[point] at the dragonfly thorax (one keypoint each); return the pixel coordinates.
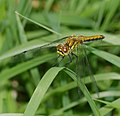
(68, 47)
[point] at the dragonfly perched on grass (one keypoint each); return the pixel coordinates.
(73, 41)
(67, 49)
(66, 46)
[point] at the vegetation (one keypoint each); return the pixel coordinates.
(30, 81)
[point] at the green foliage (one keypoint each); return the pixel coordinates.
(31, 85)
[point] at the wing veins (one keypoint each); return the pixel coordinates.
(89, 69)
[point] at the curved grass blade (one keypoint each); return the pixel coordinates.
(40, 91)
(71, 85)
(85, 92)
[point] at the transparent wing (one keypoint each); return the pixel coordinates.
(80, 67)
(83, 67)
(29, 51)
(32, 47)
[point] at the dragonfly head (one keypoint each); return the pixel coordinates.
(62, 49)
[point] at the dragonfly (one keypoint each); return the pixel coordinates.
(67, 49)
(73, 41)
(65, 46)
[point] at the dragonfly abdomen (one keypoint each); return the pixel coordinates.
(91, 38)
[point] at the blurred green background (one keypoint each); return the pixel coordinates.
(49, 20)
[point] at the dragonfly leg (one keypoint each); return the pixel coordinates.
(70, 60)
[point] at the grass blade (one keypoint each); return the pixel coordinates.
(71, 85)
(107, 56)
(85, 92)
(106, 109)
(84, 100)
(11, 114)
(45, 27)
(40, 91)
(9, 73)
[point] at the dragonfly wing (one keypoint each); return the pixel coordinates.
(30, 46)
(86, 64)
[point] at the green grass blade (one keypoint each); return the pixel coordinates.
(40, 91)
(22, 48)
(45, 27)
(110, 14)
(81, 6)
(106, 109)
(39, 43)
(23, 39)
(87, 80)
(114, 105)
(49, 3)
(9, 73)
(85, 92)
(100, 15)
(22, 35)
(11, 114)
(107, 56)
(65, 97)
(84, 100)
